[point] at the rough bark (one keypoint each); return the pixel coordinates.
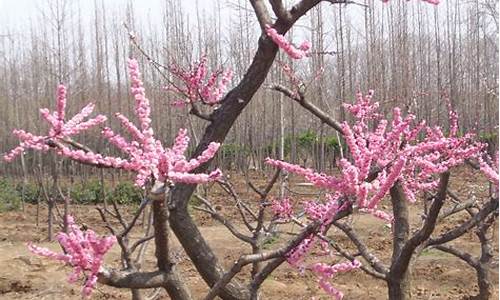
(399, 284)
(174, 285)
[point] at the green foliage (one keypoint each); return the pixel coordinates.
(307, 139)
(126, 193)
(194, 201)
(9, 198)
(270, 241)
(332, 142)
(88, 193)
(230, 150)
(31, 192)
(488, 137)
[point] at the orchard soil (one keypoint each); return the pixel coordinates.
(436, 275)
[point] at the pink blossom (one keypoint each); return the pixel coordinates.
(283, 43)
(84, 251)
(394, 150)
(490, 170)
(326, 272)
(197, 85)
(297, 254)
(59, 129)
(398, 156)
(146, 155)
(282, 208)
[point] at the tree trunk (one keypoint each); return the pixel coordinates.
(484, 282)
(174, 284)
(223, 119)
(399, 288)
(181, 222)
(398, 282)
(136, 294)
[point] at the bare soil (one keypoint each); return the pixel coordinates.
(436, 275)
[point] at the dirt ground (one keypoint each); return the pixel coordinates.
(436, 275)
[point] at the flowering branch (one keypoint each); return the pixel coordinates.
(292, 51)
(146, 155)
(84, 251)
(198, 84)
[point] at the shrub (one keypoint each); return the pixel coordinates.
(9, 198)
(88, 193)
(126, 193)
(31, 192)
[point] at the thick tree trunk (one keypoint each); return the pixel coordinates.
(398, 281)
(223, 119)
(181, 222)
(136, 294)
(484, 282)
(399, 288)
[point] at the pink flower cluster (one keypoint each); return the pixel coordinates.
(146, 155)
(400, 150)
(490, 170)
(84, 251)
(198, 85)
(326, 272)
(294, 52)
(395, 150)
(59, 129)
(282, 208)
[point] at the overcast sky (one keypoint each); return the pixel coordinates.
(19, 13)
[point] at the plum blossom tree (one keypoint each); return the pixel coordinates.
(146, 155)
(399, 160)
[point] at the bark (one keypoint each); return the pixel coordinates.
(404, 246)
(173, 284)
(399, 284)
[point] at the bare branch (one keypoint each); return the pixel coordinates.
(300, 99)
(261, 12)
(458, 231)
(458, 207)
(133, 280)
(458, 253)
(214, 214)
(374, 262)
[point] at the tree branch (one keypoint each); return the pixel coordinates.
(458, 231)
(403, 258)
(374, 262)
(300, 99)
(469, 259)
(261, 13)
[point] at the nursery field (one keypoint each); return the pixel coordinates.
(436, 275)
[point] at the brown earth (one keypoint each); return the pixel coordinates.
(436, 275)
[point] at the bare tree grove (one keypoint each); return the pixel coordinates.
(411, 55)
